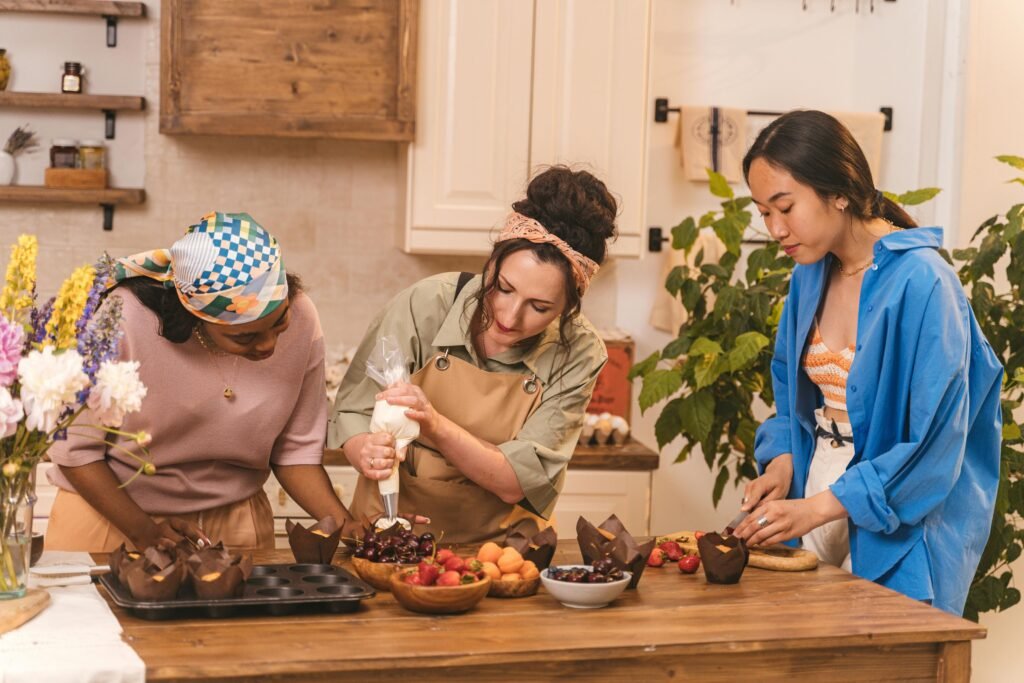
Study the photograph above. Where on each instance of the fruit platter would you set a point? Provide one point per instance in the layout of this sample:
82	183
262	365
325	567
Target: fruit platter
776	557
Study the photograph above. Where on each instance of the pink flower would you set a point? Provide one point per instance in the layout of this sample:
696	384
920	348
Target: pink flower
12	342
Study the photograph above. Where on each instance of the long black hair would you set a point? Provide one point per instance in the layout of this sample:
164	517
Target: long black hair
573	205
818	151
176	323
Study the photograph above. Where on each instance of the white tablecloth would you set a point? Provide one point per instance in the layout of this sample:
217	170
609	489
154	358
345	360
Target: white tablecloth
75	639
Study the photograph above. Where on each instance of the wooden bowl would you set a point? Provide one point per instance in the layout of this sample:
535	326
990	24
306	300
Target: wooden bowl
514	589
377	574
438	599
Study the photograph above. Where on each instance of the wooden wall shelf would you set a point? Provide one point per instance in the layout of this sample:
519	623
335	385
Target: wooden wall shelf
45	100
39	193
90	7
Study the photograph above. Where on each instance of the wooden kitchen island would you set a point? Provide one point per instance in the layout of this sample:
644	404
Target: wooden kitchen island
820	625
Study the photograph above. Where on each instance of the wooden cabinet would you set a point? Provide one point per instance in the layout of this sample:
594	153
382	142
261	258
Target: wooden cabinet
340	69
507	87
596	495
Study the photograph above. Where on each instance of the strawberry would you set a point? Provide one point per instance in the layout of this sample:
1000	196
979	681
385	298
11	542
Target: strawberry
414	579
697	535
672	550
454	564
688	564
656	558
428	572
468	577
442	556
449	579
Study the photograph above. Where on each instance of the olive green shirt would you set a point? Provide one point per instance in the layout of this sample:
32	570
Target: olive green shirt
424	321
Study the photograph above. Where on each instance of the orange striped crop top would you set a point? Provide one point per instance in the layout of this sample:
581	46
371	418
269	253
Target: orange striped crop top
828	369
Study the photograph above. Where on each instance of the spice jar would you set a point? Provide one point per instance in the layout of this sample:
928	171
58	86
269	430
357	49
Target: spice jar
71	82
5	69
92	154
63	153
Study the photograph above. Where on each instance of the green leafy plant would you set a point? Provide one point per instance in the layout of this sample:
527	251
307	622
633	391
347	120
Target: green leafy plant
718	367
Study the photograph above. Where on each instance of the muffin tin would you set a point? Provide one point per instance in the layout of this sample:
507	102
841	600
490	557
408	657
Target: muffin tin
275	589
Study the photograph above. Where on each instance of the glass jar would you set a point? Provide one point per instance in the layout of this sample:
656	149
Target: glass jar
63	153
5	69
71	81
92	154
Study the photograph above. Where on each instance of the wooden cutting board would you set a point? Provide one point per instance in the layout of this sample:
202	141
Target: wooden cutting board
14	613
778	557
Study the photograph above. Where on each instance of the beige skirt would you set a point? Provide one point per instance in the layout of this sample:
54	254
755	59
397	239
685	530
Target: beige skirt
76	526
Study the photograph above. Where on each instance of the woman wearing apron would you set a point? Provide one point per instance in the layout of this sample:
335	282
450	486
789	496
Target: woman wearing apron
503	366
232	355
887	436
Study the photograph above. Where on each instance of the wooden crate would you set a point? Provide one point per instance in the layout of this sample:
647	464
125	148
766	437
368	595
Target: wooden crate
614	392
289	68
76	178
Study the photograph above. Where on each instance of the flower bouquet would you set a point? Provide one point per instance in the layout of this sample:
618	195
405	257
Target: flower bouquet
55	360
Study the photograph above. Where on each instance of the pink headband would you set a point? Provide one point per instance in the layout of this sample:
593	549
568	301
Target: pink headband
519	227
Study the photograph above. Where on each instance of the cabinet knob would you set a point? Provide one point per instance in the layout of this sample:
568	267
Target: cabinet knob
282	497
337	491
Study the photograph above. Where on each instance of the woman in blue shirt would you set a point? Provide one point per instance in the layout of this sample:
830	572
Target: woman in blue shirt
883	456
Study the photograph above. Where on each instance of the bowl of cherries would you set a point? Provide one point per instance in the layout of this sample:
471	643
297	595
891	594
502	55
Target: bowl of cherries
379	555
583	587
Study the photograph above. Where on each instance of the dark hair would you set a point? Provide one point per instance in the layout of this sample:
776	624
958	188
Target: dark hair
572	205
818	151
176	323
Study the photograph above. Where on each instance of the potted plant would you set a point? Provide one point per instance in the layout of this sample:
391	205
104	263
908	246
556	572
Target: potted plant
715	371
21	141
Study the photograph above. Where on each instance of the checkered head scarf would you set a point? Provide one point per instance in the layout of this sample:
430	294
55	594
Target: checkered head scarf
226	269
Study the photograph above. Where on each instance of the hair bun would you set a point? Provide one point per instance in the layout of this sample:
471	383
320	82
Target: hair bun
574	205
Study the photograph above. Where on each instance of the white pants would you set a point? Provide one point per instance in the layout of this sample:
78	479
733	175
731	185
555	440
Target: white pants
831	541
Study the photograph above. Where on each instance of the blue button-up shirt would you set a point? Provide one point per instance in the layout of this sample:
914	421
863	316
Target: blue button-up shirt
923	399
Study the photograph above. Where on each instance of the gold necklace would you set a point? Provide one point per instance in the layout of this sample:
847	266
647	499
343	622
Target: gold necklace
858	269
229	393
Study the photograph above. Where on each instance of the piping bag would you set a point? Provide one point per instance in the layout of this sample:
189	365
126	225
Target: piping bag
388	365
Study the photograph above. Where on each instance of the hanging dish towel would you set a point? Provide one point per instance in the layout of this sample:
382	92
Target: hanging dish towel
712	137
867	129
668	312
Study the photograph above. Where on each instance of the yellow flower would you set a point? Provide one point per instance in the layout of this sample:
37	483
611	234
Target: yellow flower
20	285
68	308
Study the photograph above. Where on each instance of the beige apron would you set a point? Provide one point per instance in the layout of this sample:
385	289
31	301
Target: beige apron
492	406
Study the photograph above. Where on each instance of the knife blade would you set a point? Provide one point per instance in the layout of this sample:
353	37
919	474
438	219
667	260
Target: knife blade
731	526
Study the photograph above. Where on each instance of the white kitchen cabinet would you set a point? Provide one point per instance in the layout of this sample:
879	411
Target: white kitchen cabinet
343	479
506	87
596	494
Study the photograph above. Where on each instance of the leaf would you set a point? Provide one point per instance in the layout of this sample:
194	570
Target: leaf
747	347
669	423
1015	161
659	385
729	233
719	185
692	295
676	347
697	412
684	234
643	367
677	279
915	197
1011	432
723	477
708	370
704	346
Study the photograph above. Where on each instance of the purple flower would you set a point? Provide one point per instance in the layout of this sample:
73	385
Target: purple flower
40	316
12	343
100	341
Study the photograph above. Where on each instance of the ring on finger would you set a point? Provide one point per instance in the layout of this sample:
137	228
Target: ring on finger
373	463
762	522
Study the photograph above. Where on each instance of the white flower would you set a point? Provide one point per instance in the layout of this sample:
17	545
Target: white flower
11	413
118	391
49	384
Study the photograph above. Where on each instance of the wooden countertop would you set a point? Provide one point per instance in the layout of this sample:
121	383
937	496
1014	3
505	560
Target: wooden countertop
772	626
630	456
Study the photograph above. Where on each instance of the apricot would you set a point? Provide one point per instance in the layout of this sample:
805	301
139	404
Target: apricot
511	577
510	561
212	576
158	578
529	570
491	570
489	552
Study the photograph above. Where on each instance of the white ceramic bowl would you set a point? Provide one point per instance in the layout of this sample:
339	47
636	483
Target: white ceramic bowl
583	595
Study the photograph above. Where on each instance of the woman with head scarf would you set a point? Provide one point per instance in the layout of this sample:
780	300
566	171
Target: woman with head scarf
232	355
503	366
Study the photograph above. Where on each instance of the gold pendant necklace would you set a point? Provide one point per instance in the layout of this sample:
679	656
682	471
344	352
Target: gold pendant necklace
229	393
851	273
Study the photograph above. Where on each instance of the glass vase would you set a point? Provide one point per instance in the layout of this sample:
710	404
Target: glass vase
16	509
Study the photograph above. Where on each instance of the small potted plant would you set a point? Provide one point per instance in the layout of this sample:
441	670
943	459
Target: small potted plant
21	141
